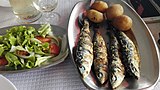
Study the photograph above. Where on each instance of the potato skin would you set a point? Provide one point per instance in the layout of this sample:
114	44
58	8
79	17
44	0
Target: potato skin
95	16
114	11
123	22
100	6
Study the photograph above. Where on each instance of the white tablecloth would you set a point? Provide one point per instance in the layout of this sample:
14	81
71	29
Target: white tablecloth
59	77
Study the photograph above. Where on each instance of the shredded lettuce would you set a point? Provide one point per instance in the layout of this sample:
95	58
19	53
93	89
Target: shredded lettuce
30	64
12	39
41	60
14	48
44	30
37	50
13	60
22	39
1	49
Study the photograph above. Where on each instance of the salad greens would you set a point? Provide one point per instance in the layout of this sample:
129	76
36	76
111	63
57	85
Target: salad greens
27	47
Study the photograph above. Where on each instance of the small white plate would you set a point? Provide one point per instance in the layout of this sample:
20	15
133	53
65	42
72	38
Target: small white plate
5	84
5	3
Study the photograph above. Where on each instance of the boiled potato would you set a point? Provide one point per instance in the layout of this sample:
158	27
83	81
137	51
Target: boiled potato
114	11
122	22
100	6
95	16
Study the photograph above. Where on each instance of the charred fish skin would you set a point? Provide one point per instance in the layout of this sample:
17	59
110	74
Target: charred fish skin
100	58
130	55
117	71
84	52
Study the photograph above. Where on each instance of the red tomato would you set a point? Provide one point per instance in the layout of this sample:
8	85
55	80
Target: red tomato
3	61
43	40
54	49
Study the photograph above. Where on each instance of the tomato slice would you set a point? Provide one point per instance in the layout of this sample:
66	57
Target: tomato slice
54	49
43	40
3	61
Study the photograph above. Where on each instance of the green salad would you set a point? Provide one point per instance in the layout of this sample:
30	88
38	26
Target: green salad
25	47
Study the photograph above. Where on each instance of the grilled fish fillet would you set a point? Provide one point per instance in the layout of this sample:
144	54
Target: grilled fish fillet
84	52
100	57
130	55
116	73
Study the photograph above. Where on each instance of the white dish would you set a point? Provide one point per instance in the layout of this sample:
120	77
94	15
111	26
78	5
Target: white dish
5	3
54	61
5	84
146	44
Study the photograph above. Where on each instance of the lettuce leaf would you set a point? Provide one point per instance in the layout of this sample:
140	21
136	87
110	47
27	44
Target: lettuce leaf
13	60
29	64
41	60
12	39
14	48
1	49
44	30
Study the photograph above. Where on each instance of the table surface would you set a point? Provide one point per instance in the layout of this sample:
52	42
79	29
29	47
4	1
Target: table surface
62	76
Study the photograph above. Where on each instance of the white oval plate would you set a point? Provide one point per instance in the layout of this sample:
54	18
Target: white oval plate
5	84
146	44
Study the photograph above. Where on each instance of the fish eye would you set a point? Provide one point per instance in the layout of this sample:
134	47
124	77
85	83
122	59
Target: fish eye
100	74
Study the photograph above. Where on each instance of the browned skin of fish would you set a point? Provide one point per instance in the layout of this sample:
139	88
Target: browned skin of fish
116	73
100	58
130	55
84	52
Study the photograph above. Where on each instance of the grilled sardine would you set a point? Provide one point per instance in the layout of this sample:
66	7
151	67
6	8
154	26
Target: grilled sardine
100	57
130	55
116	73
84	52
